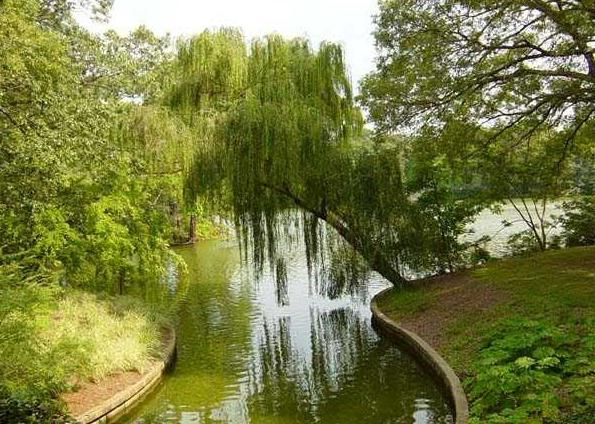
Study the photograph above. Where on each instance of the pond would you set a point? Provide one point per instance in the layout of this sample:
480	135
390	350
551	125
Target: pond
488	223
246	356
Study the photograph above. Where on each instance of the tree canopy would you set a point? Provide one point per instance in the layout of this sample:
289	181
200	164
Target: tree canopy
265	127
504	90
506	63
75	205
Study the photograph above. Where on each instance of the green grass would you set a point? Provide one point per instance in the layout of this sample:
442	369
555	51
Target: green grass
407	302
546	304
554	281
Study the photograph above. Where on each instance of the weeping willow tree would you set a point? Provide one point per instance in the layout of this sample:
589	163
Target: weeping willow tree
277	128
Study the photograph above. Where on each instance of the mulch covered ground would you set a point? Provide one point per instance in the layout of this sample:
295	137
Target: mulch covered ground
456	295
92	394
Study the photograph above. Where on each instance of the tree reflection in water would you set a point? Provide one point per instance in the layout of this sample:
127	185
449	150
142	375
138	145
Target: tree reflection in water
252	354
350	375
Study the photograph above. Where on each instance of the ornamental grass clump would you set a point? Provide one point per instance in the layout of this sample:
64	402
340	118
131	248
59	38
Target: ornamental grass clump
115	335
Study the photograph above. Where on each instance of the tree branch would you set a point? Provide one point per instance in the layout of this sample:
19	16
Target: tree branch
375	259
13	121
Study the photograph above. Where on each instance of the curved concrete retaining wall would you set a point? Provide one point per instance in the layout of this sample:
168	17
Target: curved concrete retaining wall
428	356
125	400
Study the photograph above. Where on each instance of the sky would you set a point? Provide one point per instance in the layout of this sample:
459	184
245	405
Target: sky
348	22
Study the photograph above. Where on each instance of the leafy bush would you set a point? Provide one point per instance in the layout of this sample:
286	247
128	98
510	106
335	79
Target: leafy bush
579	222
523	242
530	372
30	409
32	373
479	254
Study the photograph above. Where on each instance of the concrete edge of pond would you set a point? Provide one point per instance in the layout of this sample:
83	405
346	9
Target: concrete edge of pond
126	399
424	352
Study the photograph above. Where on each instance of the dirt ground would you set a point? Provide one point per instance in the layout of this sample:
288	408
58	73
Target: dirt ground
457	294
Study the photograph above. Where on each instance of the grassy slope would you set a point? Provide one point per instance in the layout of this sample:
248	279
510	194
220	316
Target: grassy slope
555	288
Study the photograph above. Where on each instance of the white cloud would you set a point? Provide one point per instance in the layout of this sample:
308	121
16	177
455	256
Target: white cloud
346	21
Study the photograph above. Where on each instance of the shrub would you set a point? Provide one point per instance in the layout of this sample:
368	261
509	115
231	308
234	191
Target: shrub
30	408
579	222
32	373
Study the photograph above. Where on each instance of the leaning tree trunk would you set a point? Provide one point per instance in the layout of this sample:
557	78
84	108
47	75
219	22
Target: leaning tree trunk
372	255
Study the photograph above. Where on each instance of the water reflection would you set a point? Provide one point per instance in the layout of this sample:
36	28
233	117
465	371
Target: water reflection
246	357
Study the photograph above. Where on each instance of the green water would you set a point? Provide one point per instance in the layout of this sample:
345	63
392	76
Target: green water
246	357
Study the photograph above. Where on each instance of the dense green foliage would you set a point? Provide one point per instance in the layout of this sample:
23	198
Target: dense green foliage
524	369
75	207
32	410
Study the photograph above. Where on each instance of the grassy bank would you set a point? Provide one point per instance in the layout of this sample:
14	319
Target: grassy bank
519	332
52	340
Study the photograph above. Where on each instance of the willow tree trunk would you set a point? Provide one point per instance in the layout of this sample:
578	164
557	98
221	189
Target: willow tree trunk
375	258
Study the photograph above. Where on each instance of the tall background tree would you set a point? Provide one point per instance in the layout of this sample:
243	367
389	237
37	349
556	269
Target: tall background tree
75	205
518	76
